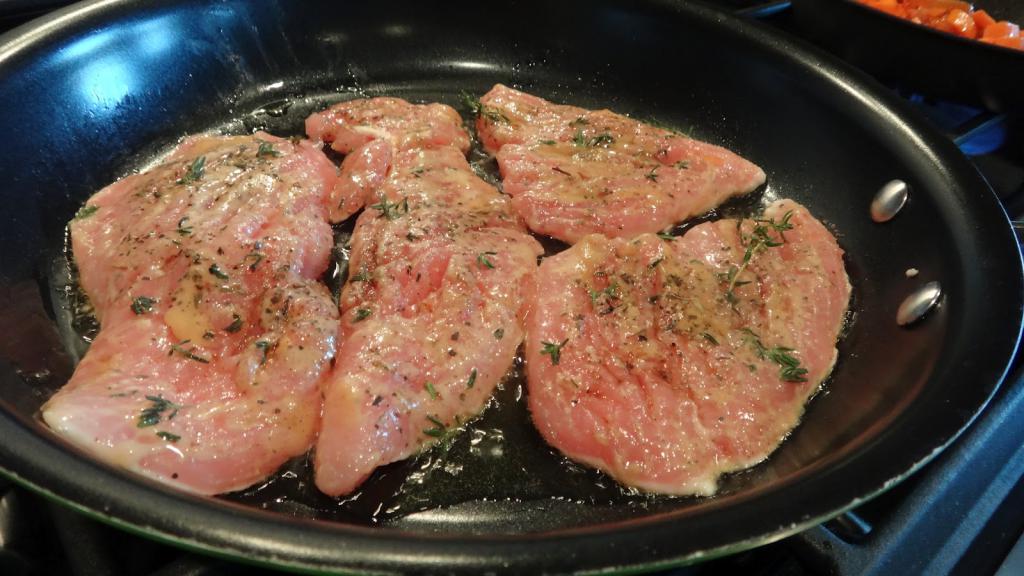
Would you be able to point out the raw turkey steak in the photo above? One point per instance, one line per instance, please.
(667, 363)
(573, 172)
(215, 333)
(431, 313)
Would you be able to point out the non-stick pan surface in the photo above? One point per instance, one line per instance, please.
(99, 90)
(918, 58)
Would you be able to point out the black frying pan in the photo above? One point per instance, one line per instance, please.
(96, 91)
(920, 58)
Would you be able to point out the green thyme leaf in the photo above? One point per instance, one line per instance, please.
(86, 211)
(482, 260)
(143, 305)
(554, 350)
(758, 241)
(392, 211)
(183, 229)
(195, 171)
(789, 366)
(437, 430)
(472, 379)
(489, 113)
(236, 324)
(216, 271)
(152, 414)
(168, 436)
(264, 347)
(266, 149)
(187, 353)
(361, 314)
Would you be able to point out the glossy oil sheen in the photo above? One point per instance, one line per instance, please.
(108, 88)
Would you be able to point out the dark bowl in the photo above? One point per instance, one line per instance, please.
(917, 58)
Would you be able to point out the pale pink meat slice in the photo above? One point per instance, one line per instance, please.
(215, 335)
(573, 172)
(431, 313)
(670, 374)
(369, 131)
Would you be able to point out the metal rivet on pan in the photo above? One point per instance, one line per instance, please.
(889, 200)
(915, 306)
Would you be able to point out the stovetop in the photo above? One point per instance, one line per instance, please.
(958, 515)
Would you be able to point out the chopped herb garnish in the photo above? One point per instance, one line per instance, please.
(661, 125)
(489, 113)
(579, 121)
(151, 415)
(216, 271)
(264, 347)
(707, 336)
(682, 164)
(548, 142)
(758, 241)
(472, 379)
(361, 314)
(236, 324)
(666, 235)
(361, 276)
(610, 292)
(652, 175)
(143, 305)
(255, 258)
(602, 139)
(429, 386)
(790, 370)
(482, 260)
(418, 171)
(189, 353)
(654, 264)
(86, 211)
(266, 149)
(499, 333)
(789, 365)
(554, 350)
(392, 211)
(168, 436)
(195, 171)
(184, 229)
(439, 428)
(579, 139)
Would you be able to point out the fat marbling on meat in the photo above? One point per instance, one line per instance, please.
(667, 363)
(573, 172)
(215, 334)
(431, 312)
